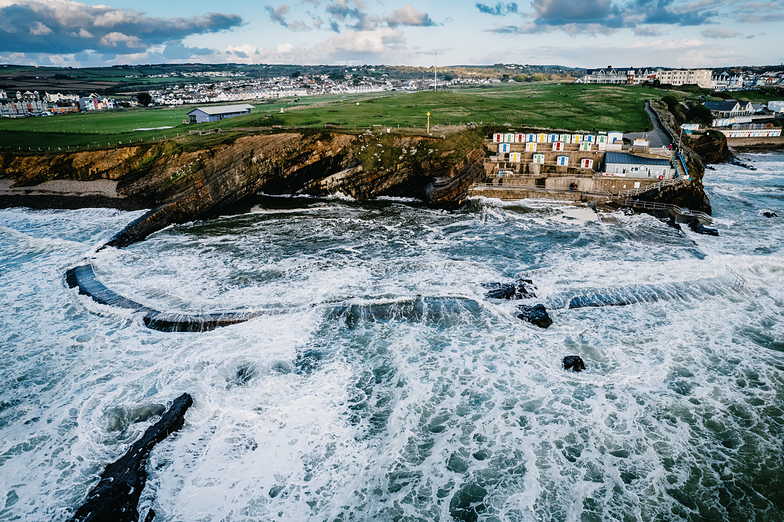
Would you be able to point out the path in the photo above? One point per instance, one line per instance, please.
(658, 136)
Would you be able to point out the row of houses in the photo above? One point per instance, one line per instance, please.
(28, 103)
(706, 78)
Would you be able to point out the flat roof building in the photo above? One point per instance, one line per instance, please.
(217, 113)
(634, 166)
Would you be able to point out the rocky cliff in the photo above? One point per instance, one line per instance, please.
(182, 183)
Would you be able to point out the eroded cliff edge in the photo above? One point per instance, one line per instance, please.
(182, 182)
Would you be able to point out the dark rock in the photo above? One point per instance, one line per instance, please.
(116, 497)
(769, 214)
(739, 163)
(574, 363)
(522, 289)
(536, 315)
(698, 227)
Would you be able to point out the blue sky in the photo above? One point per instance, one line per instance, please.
(577, 33)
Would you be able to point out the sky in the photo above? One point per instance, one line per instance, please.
(573, 33)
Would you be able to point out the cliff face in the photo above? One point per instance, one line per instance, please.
(183, 185)
(691, 195)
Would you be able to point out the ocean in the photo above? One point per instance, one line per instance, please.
(387, 386)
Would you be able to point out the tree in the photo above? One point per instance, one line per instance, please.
(698, 113)
(144, 98)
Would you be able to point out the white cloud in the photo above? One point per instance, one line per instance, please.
(40, 29)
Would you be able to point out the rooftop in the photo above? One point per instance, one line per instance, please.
(224, 109)
(623, 157)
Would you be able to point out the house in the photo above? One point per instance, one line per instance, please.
(633, 166)
(776, 106)
(217, 113)
(730, 108)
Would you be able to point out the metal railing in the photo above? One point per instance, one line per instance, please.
(652, 186)
(654, 205)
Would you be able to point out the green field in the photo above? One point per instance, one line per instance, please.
(511, 105)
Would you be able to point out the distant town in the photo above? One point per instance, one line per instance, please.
(237, 85)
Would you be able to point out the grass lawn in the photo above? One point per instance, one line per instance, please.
(569, 106)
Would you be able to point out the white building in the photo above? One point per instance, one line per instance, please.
(701, 77)
(220, 112)
(776, 106)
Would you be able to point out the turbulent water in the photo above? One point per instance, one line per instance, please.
(388, 387)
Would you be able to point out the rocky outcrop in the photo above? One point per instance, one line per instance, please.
(521, 289)
(117, 494)
(711, 147)
(183, 182)
(690, 195)
(536, 315)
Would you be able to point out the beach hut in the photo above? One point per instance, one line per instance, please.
(576, 138)
(614, 137)
(586, 145)
(519, 138)
(509, 138)
(542, 138)
(559, 146)
(504, 147)
(515, 157)
(530, 137)
(552, 138)
(498, 137)
(562, 161)
(601, 139)
(586, 163)
(566, 138)
(530, 146)
(539, 158)
(590, 138)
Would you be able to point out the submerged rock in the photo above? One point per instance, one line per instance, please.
(521, 289)
(574, 363)
(536, 315)
(698, 227)
(116, 497)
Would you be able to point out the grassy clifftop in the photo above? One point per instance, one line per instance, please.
(551, 105)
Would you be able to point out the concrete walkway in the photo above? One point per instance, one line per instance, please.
(658, 136)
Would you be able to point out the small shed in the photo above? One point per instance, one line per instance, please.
(218, 112)
(530, 146)
(615, 137)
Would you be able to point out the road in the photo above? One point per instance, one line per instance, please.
(658, 136)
